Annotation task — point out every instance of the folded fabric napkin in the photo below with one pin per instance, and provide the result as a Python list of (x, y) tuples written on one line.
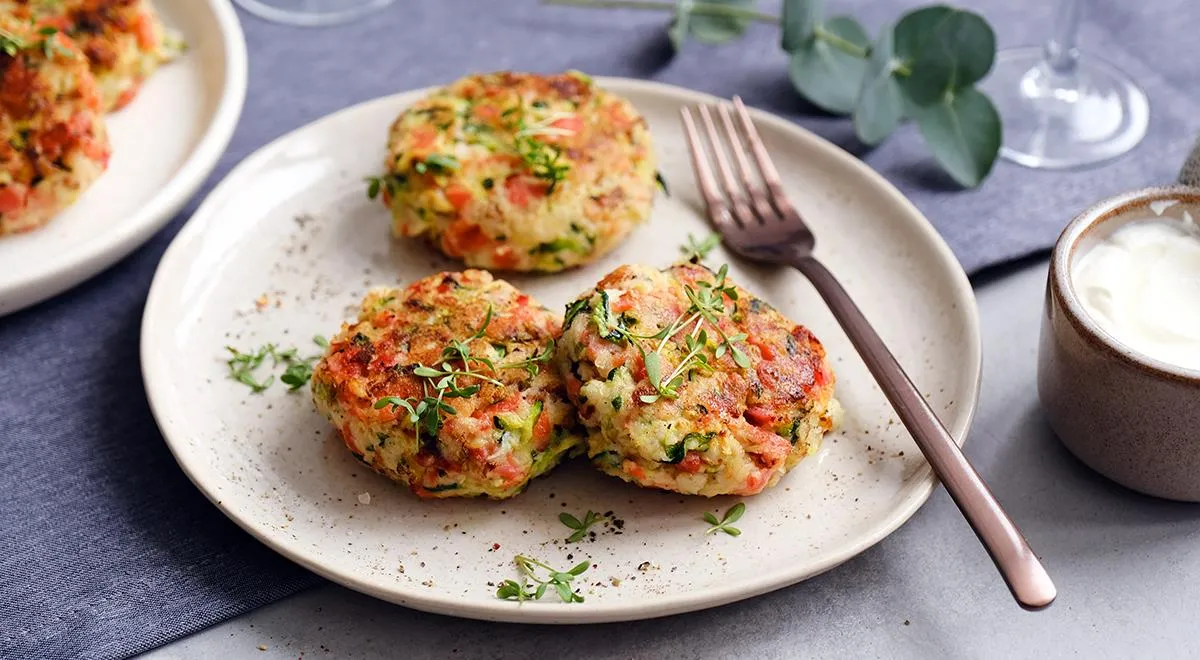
[(106, 549)]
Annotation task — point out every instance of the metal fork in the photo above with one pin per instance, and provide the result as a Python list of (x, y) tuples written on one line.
[(759, 223)]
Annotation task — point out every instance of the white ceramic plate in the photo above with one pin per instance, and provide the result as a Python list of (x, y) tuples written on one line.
[(165, 143), (292, 224)]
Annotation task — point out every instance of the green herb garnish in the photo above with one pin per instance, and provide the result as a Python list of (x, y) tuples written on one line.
[(580, 526), (696, 251), (707, 305), (441, 381), (558, 580), (389, 182), (725, 524), (297, 372), (662, 183)]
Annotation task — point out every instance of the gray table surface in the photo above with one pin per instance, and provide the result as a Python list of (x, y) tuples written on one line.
[(1124, 564)]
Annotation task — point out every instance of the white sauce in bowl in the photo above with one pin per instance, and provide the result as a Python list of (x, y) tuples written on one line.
[(1141, 284)]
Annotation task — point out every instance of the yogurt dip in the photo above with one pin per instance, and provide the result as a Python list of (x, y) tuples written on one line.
[(1141, 285)]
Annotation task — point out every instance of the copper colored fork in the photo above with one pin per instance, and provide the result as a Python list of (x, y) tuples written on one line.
[(759, 223)]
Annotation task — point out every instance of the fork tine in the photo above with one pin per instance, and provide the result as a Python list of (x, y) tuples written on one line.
[(767, 168), (737, 196), (762, 207), (718, 212)]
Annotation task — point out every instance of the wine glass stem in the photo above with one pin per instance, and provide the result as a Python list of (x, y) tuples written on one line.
[(1061, 54)]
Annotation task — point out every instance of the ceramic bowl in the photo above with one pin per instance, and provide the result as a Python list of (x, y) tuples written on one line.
[(1130, 417)]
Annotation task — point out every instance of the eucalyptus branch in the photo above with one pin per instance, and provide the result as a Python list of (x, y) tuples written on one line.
[(701, 8), (835, 65)]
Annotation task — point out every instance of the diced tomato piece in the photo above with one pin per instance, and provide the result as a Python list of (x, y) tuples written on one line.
[(623, 303), (12, 197), (458, 196), (504, 406), (144, 28), (759, 416), (691, 463), (755, 482), (509, 470), (462, 237), (763, 347), (633, 469), (423, 137), (522, 190), (573, 386), (126, 96), (541, 429), (505, 257), (484, 111), (572, 123)]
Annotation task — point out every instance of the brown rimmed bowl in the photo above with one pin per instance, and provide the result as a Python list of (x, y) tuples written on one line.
[(1130, 417)]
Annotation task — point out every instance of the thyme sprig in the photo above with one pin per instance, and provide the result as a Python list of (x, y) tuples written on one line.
[(696, 251), (560, 581)]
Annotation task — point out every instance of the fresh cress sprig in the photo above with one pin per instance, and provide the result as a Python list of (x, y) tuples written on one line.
[(580, 526), (298, 370), (725, 524), (560, 581), (696, 251), (442, 381)]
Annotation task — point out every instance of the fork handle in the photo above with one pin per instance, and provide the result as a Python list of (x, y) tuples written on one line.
[(1027, 579)]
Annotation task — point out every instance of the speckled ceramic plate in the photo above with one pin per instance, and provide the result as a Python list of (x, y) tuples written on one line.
[(286, 246), (165, 143)]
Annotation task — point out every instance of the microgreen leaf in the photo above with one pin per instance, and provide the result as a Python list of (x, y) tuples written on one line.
[(696, 250), (528, 567), (732, 515)]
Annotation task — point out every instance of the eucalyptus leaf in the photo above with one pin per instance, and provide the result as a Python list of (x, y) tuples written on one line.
[(798, 22), (944, 49), (827, 75), (916, 33), (715, 28), (963, 132), (678, 30), (880, 106)]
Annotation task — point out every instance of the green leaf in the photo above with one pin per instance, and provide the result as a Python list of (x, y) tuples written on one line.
[(880, 104), (735, 513), (826, 74), (715, 28), (710, 518), (580, 568), (963, 132), (427, 372), (569, 520), (798, 21), (654, 368), (943, 49), (678, 31)]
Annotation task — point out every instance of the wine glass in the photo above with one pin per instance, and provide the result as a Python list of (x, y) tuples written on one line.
[(1062, 109), (312, 13)]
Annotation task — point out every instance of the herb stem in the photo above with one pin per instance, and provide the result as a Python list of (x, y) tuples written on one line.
[(848, 47), (702, 8)]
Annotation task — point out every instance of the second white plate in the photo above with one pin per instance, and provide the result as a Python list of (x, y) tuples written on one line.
[(286, 246), (165, 143)]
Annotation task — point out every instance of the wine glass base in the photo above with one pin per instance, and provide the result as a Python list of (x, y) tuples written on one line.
[(1055, 120), (312, 13)]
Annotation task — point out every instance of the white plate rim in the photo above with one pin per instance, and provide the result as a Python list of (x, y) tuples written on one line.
[(89, 259), (156, 372)]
